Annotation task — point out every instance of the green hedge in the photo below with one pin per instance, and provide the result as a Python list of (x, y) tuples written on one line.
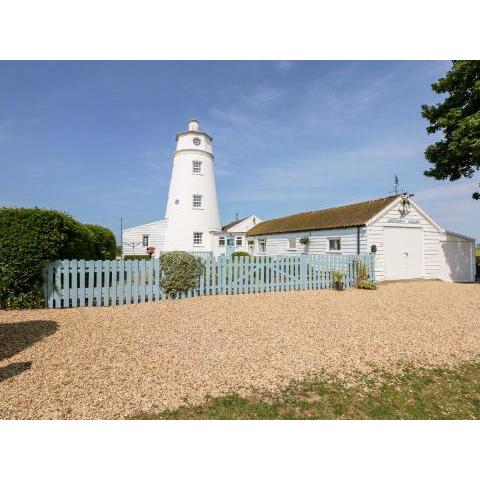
[(30, 238), (240, 254), (137, 257), (104, 243)]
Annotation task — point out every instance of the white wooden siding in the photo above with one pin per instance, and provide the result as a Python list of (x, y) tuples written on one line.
[(156, 237), (414, 219), (277, 244)]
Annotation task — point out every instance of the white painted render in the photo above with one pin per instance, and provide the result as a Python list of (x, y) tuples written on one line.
[(183, 217), (237, 231)]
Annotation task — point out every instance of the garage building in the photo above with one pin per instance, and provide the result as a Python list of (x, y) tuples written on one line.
[(407, 243)]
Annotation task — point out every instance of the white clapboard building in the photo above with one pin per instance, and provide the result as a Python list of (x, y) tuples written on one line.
[(407, 243), (192, 217)]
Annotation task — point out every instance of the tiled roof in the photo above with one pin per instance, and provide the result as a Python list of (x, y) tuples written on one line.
[(353, 215)]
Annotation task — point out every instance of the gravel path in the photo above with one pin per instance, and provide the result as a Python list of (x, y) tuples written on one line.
[(117, 361)]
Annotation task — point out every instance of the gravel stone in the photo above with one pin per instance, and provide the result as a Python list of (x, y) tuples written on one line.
[(115, 362)]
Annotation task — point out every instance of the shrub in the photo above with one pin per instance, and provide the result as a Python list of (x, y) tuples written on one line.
[(363, 278), (136, 257), (305, 241), (337, 276), (181, 272), (104, 244), (29, 239), (240, 254)]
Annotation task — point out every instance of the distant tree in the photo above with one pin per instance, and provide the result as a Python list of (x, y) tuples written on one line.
[(457, 154)]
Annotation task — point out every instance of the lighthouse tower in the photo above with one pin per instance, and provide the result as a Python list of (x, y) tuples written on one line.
[(192, 207)]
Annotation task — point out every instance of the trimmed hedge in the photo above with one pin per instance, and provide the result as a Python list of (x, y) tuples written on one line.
[(182, 272), (32, 237), (104, 243), (240, 254), (137, 257)]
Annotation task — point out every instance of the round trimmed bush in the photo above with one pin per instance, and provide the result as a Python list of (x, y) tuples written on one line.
[(181, 272)]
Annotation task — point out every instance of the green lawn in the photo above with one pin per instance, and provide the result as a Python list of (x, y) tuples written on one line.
[(415, 393)]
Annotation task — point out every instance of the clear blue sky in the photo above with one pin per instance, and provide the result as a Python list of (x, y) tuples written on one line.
[(95, 139)]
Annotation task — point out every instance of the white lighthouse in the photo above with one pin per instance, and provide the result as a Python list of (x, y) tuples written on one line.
[(192, 208)]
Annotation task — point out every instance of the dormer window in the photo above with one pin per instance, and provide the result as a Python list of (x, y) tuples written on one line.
[(196, 167)]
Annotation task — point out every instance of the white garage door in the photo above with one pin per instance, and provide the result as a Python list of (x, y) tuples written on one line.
[(403, 249)]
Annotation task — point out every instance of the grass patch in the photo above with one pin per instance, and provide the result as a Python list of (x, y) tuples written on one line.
[(414, 393)]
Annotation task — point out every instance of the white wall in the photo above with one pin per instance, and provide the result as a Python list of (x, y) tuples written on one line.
[(413, 219), (278, 244), (182, 218), (457, 258), (238, 230), (156, 232)]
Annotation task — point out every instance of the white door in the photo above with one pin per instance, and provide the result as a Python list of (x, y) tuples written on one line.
[(403, 249)]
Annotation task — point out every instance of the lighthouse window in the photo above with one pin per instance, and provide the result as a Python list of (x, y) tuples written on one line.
[(197, 238), (197, 201), (196, 166)]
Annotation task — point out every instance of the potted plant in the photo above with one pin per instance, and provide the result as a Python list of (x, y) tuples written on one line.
[(305, 241), (337, 278), (150, 251)]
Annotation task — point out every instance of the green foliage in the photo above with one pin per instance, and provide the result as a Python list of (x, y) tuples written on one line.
[(136, 257), (457, 155), (240, 254), (104, 243), (337, 276), (365, 285), (412, 393), (363, 281), (181, 272), (305, 241), (29, 239)]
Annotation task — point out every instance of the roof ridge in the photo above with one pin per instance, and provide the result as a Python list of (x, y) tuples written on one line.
[(335, 208)]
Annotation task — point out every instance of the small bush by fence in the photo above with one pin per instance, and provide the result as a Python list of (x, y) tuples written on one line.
[(72, 283)]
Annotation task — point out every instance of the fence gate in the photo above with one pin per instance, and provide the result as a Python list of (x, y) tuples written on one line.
[(80, 283)]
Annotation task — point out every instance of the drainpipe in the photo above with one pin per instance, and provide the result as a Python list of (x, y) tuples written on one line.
[(358, 240)]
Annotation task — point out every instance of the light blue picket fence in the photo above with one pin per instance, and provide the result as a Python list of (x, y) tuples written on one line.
[(79, 283)]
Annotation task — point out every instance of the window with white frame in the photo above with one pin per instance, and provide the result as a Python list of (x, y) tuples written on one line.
[(221, 241), (292, 243), (230, 241), (198, 238), (239, 241), (334, 244), (145, 240), (196, 166), (262, 245), (197, 201)]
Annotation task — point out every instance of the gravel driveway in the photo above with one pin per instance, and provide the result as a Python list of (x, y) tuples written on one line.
[(112, 362)]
